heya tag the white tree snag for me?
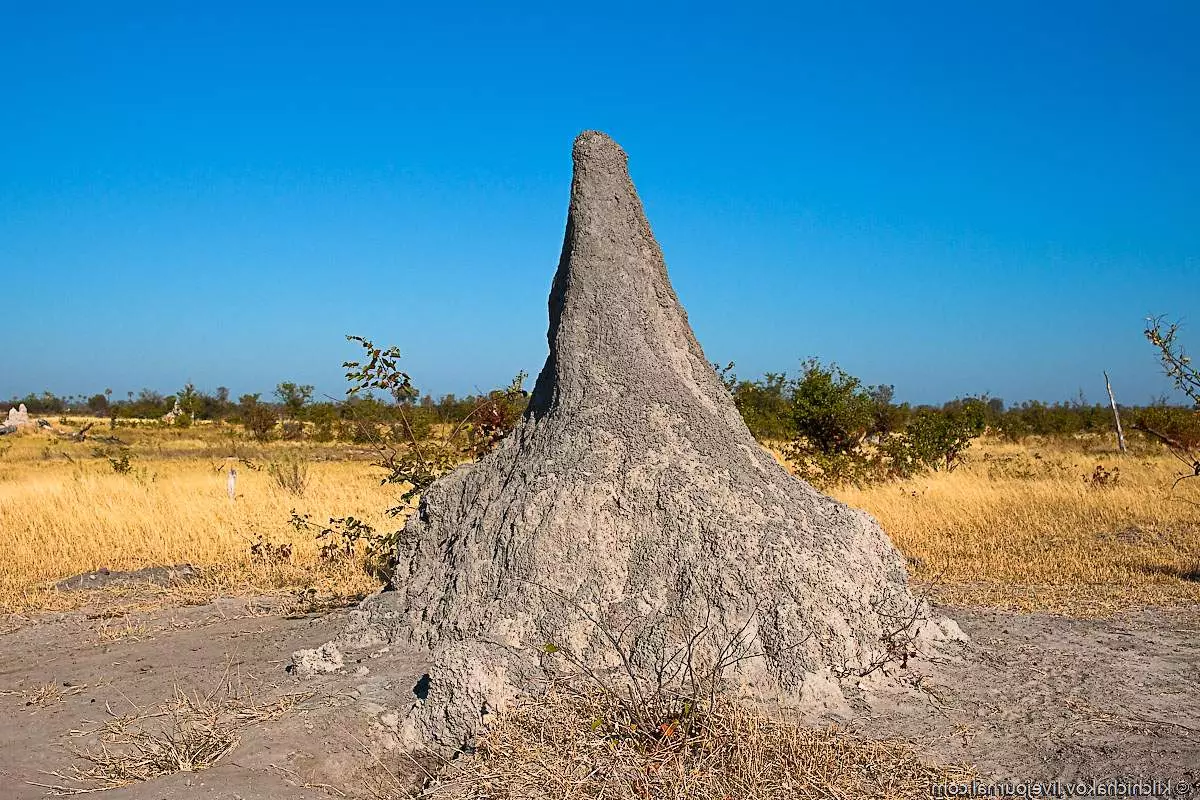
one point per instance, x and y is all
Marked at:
(1116, 414)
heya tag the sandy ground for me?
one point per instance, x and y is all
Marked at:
(1031, 697)
(1043, 697)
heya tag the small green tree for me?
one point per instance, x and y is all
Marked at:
(887, 416)
(324, 417)
(936, 440)
(191, 403)
(832, 412)
(765, 406)
(412, 455)
(294, 397)
(1177, 364)
(1178, 429)
(257, 417)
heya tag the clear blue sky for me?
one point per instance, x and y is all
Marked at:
(955, 197)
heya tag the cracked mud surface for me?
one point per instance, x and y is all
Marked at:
(1031, 697)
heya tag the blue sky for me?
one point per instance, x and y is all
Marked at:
(951, 197)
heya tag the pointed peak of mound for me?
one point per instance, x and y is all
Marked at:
(617, 329)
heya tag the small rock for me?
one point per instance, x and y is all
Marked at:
(318, 661)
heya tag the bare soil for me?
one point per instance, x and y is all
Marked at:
(1031, 697)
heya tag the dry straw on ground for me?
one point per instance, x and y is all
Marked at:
(190, 732)
(555, 746)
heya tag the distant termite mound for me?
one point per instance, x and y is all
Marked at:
(632, 504)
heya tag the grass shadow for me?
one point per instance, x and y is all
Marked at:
(1191, 574)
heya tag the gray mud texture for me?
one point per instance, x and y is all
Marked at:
(1029, 697)
(83, 680)
(1043, 697)
(633, 499)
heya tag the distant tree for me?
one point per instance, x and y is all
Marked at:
(765, 405)
(324, 417)
(832, 412)
(148, 404)
(256, 416)
(191, 403)
(44, 403)
(223, 395)
(936, 440)
(97, 404)
(293, 397)
(831, 408)
(887, 416)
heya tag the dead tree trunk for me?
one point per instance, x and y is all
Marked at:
(1116, 414)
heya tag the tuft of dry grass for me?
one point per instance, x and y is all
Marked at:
(109, 632)
(188, 733)
(553, 747)
(45, 695)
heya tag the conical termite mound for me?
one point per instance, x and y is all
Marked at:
(631, 522)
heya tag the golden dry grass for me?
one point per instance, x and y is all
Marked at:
(1017, 526)
(1025, 527)
(63, 510)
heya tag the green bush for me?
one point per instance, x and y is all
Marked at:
(1181, 425)
(831, 414)
(257, 417)
(766, 407)
(323, 417)
(935, 440)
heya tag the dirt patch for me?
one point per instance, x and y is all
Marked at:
(153, 576)
(1050, 697)
(1030, 697)
(71, 691)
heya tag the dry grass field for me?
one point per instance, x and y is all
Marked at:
(1065, 526)
(65, 510)
(1018, 526)
(1038, 527)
